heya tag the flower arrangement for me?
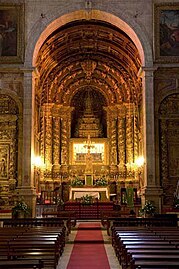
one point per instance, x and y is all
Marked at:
(148, 209)
(21, 207)
(87, 200)
(101, 182)
(59, 201)
(60, 204)
(176, 197)
(77, 182)
(176, 202)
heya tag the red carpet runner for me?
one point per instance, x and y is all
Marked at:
(88, 251)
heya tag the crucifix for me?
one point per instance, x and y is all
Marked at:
(88, 144)
(89, 165)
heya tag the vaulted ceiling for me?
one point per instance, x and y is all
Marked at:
(87, 54)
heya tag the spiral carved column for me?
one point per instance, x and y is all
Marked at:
(129, 145)
(65, 113)
(64, 144)
(129, 140)
(48, 140)
(56, 140)
(113, 142)
(136, 136)
(121, 147)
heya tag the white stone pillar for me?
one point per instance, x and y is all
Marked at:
(26, 187)
(28, 122)
(151, 190)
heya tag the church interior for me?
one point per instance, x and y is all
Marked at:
(89, 109)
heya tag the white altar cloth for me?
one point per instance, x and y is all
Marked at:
(87, 190)
(84, 193)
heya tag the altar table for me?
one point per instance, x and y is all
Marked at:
(78, 192)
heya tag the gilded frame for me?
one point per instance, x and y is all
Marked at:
(166, 32)
(11, 33)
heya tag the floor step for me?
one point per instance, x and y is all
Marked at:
(89, 228)
(89, 241)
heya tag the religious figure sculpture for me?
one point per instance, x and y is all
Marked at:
(89, 161)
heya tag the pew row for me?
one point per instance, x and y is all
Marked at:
(68, 217)
(36, 244)
(145, 247)
(110, 221)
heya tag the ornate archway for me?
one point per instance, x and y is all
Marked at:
(88, 68)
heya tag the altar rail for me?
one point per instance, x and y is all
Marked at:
(85, 211)
(91, 211)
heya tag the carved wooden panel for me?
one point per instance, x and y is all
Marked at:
(169, 146)
(8, 146)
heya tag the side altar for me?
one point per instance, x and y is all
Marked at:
(101, 193)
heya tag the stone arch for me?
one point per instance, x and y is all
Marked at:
(45, 26)
(163, 97)
(123, 21)
(14, 97)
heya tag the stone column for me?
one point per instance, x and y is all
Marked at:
(26, 189)
(151, 190)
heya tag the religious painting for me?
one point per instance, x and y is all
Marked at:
(166, 27)
(11, 33)
(96, 152)
(4, 161)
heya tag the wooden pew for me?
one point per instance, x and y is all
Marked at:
(47, 251)
(68, 217)
(154, 264)
(33, 222)
(133, 246)
(150, 254)
(23, 264)
(107, 217)
(34, 243)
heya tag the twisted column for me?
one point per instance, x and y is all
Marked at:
(129, 139)
(121, 140)
(48, 139)
(113, 142)
(56, 140)
(65, 135)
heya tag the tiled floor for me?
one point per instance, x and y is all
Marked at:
(114, 264)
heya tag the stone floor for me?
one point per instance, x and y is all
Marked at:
(114, 264)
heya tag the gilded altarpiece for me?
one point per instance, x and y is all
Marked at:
(8, 149)
(53, 145)
(169, 146)
(62, 161)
